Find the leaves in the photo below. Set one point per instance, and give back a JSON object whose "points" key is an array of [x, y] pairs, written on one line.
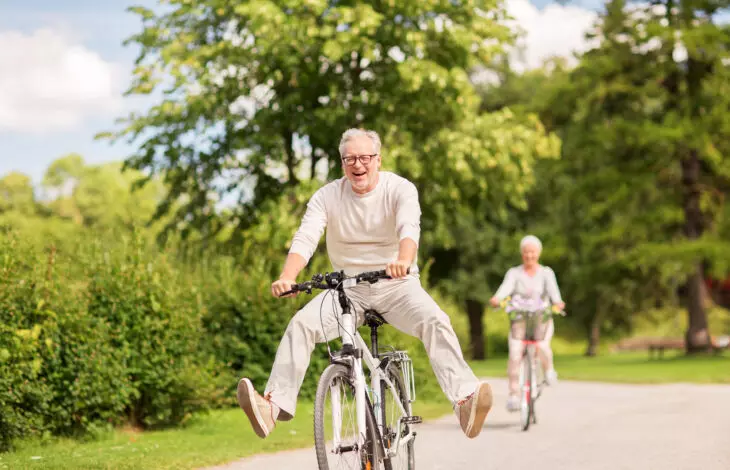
{"points": [[257, 93]]}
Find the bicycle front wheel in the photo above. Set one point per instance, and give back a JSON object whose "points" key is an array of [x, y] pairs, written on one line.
{"points": [[526, 390], [336, 438]]}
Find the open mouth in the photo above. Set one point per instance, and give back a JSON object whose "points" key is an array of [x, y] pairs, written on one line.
{"points": [[357, 175]]}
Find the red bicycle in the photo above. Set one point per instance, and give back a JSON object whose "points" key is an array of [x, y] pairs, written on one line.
{"points": [[528, 324]]}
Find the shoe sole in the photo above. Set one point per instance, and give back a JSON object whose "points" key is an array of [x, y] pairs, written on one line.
{"points": [[480, 407], [246, 400]]}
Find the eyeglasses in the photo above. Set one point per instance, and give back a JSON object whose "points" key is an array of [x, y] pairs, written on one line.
{"points": [[350, 160]]}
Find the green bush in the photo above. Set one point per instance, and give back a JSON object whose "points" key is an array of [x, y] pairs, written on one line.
{"points": [[244, 323], [101, 335], [151, 314], [24, 396]]}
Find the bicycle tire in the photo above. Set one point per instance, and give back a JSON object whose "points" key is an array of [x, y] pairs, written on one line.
{"points": [[370, 455], [526, 394], [396, 376]]}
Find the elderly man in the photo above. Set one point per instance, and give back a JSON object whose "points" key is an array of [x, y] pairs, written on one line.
{"points": [[373, 223]]}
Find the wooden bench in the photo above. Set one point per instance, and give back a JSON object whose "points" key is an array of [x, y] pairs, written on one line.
{"points": [[657, 345]]}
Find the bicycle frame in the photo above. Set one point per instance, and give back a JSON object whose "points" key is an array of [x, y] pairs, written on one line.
{"points": [[532, 350], [356, 351], [352, 355]]}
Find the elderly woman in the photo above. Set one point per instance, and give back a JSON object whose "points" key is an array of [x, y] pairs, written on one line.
{"points": [[530, 280]]}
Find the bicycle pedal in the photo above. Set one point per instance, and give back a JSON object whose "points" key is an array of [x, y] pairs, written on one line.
{"points": [[412, 420]]}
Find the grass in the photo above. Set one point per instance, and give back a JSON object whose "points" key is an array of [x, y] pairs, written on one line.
{"points": [[219, 437], [627, 368]]}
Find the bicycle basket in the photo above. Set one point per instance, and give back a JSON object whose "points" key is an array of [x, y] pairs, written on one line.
{"points": [[529, 327]]}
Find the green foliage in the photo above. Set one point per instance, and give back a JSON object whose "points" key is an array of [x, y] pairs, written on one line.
{"points": [[24, 317], [623, 222], [100, 196], [245, 323], [16, 194], [641, 216], [151, 311], [257, 93], [108, 333]]}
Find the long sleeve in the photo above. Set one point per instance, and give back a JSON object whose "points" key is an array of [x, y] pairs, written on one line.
{"points": [[552, 286], [508, 285], [306, 239], [408, 213]]}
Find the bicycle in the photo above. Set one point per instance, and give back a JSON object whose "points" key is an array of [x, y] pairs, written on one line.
{"points": [[527, 316], [378, 440]]}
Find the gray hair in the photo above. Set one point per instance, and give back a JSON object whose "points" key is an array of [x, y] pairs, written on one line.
{"points": [[350, 134], [531, 240]]}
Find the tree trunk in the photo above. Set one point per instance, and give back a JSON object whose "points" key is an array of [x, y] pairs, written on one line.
{"points": [[697, 336], [475, 311], [594, 334], [313, 170], [291, 163]]}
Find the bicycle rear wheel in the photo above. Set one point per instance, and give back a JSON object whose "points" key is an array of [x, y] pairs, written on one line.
{"points": [[526, 391], [405, 458], [335, 425]]}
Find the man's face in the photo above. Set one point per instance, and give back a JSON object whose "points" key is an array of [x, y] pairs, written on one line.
{"points": [[363, 177], [530, 255]]}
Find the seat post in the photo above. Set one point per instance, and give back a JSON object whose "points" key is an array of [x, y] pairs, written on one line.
{"points": [[374, 339]]}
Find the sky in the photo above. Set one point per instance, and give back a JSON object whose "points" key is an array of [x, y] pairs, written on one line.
{"points": [[63, 70]]}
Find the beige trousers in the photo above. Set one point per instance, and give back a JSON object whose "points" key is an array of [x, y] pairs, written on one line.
{"points": [[404, 304], [517, 347]]}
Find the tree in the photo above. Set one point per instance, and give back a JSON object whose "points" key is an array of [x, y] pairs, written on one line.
{"points": [[257, 93], [472, 179], [100, 196], [59, 182], [16, 194], [644, 130]]}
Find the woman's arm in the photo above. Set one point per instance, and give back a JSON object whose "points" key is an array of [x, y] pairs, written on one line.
{"points": [[553, 290], [506, 288]]}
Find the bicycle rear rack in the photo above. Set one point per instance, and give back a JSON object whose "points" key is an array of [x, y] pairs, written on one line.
{"points": [[409, 377]]}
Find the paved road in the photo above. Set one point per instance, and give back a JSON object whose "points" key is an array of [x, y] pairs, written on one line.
{"points": [[581, 426]]}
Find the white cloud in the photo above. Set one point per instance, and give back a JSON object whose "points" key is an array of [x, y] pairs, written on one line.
{"points": [[556, 30], [48, 82]]}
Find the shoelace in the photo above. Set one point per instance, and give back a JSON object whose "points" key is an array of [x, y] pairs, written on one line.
{"points": [[462, 401], [267, 397]]}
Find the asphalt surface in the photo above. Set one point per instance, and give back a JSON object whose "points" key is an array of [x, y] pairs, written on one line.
{"points": [[581, 426]]}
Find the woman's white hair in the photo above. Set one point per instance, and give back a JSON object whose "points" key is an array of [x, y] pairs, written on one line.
{"points": [[350, 134], [531, 240]]}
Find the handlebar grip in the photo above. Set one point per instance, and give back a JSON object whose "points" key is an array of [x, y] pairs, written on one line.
{"points": [[383, 272]]}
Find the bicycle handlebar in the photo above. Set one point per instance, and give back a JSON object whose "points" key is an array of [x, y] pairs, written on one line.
{"points": [[519, 314], [335, 279]]}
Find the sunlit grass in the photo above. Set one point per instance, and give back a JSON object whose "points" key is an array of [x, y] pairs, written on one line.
{"points": [[216, 438], [628, 368]]}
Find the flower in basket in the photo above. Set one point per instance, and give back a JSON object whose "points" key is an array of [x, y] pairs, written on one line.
{"points": [[526, 304]]}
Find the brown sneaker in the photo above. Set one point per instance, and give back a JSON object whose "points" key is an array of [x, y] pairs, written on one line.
{"points": [[473, 410], [260, 411]]}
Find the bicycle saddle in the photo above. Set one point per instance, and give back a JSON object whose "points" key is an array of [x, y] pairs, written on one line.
{"points": [[374, 319]]}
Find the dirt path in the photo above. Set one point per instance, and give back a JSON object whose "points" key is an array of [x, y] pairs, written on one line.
{"points": [[581, 426]]}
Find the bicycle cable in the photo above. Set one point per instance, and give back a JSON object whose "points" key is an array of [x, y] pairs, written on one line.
{"points": [[340, 326]]}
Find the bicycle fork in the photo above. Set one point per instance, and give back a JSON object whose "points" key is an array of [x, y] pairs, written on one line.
{"points": [[348, 347]]}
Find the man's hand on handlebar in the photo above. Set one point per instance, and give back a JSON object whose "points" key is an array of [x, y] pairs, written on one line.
{"points": [[397, 269], [280, 286]]}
